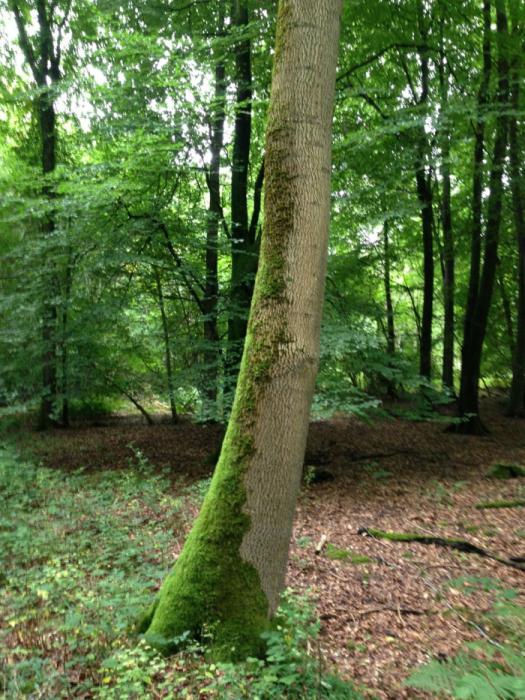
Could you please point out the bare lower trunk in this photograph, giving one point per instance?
(167, 348)
(232, 568)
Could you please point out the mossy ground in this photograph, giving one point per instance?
(506, 471)
(346, 555)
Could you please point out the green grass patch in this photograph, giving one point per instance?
(518, 503)
(506, 471)
(333, 552)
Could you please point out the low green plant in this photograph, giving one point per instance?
(506, 471)
(81, 557)
(294, 668)
(490, 669)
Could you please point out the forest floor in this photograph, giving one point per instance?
(385, 606)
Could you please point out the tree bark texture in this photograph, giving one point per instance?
(479, 306)
(231, 571)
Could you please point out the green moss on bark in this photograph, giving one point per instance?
(212, 589)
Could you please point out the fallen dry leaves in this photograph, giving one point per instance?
(382, 618)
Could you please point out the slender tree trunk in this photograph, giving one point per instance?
(390, 323)
(424, 193)
(449, 272)
(516, 405)
(167, 349)
(43, 58)
(211, 294)
(476, 322)
(243, 249)
(231, 571)
(48, 404)
(507, 311)
(64, 390)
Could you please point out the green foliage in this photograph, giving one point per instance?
(506, 471)
(293, 668)
(515, 503)
(491, 669)
(79, 560)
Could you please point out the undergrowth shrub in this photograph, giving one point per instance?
(81, 556)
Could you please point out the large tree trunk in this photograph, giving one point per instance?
(476, 324)
(211, 294)
(231, 571)
(243, 249)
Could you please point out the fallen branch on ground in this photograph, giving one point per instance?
(459, 545)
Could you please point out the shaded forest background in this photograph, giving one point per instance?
(132, 165)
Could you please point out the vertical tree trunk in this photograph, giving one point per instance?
(167, 349)
(390, 323)
(507, 311)
(48, 405)
(516, 405)
(43, 59)
(243, 250)
(232, 569)
(64, 345)
(468, 380)
(424, 193)
(211, 294)
(478, 308)
(449, 271)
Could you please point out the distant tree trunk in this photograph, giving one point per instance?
(167, 347)
(507, 311)
(424, 193)
(480, 294)
(231, 571)
(243, 248)
(390, 323)
(211, 293)
(66, 300)
(48, 406)
(42, 55)
(449, 272)
(516, 405)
